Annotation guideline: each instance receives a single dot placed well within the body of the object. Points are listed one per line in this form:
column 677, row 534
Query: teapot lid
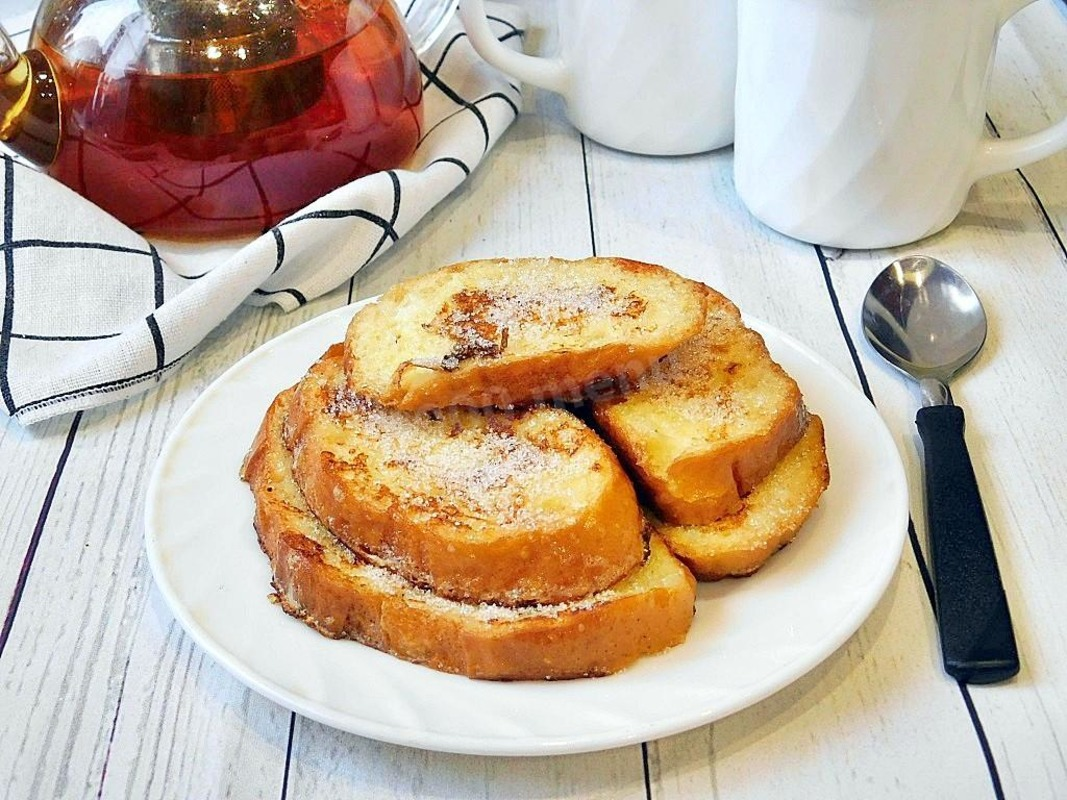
column 166, row 37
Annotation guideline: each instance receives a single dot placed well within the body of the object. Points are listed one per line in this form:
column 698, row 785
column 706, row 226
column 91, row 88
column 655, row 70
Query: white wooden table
column 103, row 695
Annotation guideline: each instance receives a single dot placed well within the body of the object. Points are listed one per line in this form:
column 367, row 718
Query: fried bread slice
column 769, row 518
column 709, row 422
column 321, row 582
column 529, row 506
column 513, row 331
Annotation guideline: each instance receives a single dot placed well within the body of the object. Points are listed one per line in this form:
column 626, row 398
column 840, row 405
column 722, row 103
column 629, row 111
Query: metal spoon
column 927, row 321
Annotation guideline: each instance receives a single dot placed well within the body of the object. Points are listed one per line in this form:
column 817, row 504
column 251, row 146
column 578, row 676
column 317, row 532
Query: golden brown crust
column 322, row 583
column 513, row 508
column 709, row 422
column 769, row 518
column 510, row 332
column 509, row 544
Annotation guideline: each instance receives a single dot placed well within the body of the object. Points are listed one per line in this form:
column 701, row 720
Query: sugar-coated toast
column 321, row 582
column 704, row 426
column 769, row 518
column 513, row 331
column 511, row 507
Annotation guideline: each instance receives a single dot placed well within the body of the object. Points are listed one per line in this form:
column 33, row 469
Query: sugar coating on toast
column 321, row 582
column 519, row 507
column 485, row 322
column 508, row 332
column 740, row 543
column 704, row 426
column 413, row 492
column 476, row 470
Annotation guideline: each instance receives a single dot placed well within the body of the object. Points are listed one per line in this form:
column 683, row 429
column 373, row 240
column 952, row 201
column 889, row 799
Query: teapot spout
column 30, row 120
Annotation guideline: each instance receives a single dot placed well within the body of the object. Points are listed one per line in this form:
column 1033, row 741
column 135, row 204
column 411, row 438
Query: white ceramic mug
column 861, row 123
column 642, row 76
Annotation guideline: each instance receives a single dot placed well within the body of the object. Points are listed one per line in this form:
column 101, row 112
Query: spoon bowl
column 924, row 318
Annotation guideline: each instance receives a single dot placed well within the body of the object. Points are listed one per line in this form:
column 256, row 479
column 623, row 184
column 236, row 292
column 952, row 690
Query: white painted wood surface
column 103, row 695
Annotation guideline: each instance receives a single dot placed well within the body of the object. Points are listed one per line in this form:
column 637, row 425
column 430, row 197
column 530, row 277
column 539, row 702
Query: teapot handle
column 9, row 54
column 1003, row 155
column 29, row 103
column 547, row 73
column 425, row 20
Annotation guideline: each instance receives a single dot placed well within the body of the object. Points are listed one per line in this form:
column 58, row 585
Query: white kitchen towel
column 94, row 312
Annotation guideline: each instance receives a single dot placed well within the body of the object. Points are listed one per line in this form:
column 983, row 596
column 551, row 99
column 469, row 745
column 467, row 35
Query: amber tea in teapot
column 211, row 118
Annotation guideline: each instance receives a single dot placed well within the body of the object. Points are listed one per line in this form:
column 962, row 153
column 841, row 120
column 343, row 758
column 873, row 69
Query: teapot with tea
column 194, row 119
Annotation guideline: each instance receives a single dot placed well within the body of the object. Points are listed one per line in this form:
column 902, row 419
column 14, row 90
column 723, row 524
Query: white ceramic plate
column 750, row 637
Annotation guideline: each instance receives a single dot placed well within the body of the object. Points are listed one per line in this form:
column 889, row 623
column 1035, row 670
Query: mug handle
column 1003, row 155
column 548, row 73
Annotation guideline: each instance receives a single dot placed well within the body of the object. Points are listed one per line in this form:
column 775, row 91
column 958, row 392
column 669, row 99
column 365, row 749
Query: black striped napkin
column 93, row 312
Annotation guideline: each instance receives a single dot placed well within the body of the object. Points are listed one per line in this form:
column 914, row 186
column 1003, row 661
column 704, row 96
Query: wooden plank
column 183, row 727
column 89, row 634
column 879, row 689
column 31, row 460
column 1017, row 268
column 328, row 763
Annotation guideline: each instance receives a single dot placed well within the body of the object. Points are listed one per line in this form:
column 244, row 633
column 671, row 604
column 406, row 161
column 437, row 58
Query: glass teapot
column 196, row 119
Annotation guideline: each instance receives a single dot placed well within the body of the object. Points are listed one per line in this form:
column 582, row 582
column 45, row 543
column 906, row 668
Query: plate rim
column 535, row 745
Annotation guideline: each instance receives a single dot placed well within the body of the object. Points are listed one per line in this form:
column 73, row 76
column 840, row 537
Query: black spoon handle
column 977, row 640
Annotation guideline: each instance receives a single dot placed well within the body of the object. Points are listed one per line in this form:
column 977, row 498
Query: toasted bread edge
column 771, row 515
column 318, row 581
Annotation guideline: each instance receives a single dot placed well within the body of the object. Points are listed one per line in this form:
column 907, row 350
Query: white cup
column 861, row 123
column 642, row 76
